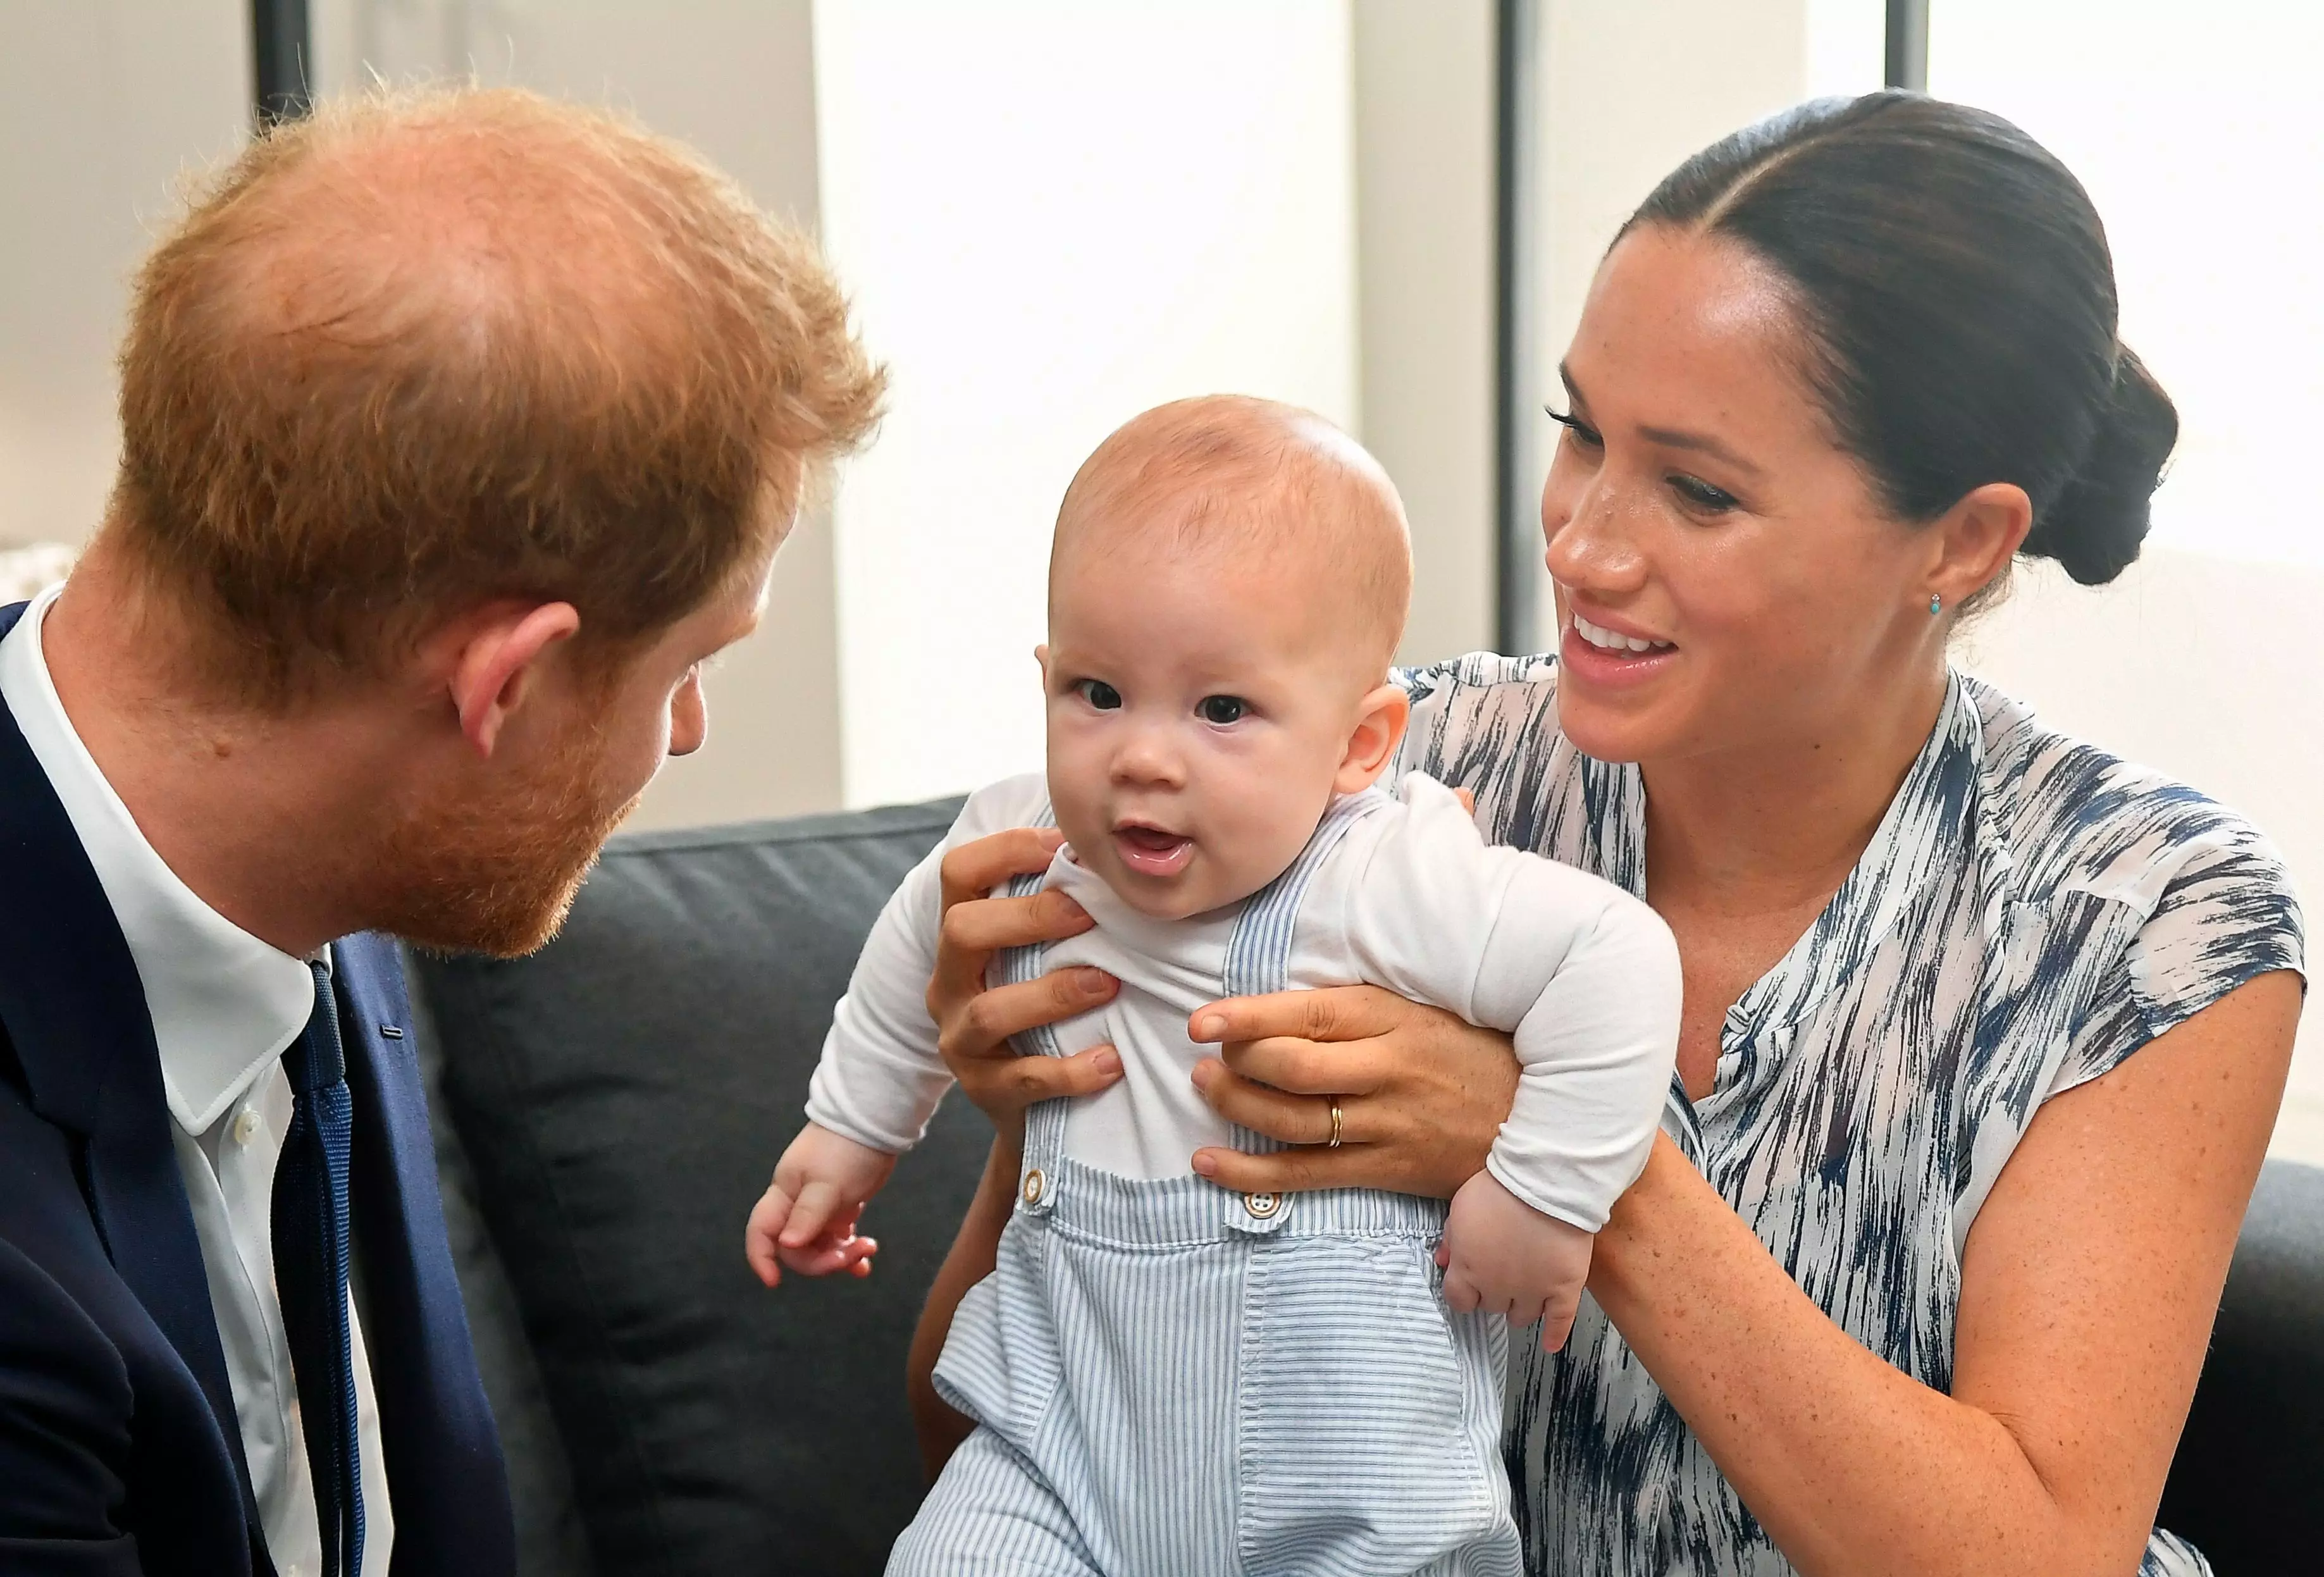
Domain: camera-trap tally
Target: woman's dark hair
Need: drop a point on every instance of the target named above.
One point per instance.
(1959, 300)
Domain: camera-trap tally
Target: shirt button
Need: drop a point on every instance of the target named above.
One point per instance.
(1262, 1206)
(245, 1127)
(1033, 1184)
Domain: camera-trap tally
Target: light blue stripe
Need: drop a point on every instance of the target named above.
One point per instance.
(1258, 952)
(1171, 1378)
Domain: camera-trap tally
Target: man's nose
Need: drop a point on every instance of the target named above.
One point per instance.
(689, 718)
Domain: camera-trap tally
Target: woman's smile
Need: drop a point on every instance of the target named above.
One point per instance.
(1599, 651)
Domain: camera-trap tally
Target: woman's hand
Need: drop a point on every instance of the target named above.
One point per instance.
(1422, 1093)
(974, 1024)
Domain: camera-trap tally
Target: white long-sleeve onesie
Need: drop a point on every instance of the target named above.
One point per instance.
(1585, 976)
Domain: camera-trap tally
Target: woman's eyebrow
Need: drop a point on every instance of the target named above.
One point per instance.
(1669, 437)
(1701, 443)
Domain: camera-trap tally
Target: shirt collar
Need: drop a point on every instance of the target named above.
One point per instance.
(224, 1003)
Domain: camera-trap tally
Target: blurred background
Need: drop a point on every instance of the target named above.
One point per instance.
(1055, 213)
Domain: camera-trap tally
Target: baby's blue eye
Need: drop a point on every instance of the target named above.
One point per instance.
(1099, 694)
(1222, 709)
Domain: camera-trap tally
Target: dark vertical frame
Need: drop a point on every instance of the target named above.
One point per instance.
(279, 55)
(1908, 45)
(1517, 528)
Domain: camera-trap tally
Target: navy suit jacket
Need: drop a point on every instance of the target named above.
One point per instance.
(119, 1451)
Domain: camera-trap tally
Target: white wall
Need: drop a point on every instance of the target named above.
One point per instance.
(1425, 121)
(103, 104)
(1054, 215)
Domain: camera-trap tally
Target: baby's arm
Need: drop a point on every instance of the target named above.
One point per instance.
(805, 1219)
(1587, 978)
(881, 1074)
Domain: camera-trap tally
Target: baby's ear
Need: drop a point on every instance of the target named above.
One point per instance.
(1381, 720)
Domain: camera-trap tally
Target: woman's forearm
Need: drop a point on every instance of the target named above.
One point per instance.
(973, 1250)
(1851, 1465)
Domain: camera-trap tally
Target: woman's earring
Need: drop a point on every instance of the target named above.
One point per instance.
(1936, 604)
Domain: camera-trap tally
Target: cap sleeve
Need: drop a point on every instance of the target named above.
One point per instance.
(2228, 915)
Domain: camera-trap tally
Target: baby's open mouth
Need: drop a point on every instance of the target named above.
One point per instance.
(1149, 851)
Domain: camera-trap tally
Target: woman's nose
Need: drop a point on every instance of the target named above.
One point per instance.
(1592, 540)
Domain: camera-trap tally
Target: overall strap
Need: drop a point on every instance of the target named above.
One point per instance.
(1258, 951)
(1045, 1124)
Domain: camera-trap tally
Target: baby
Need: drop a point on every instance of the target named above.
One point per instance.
(1168, 1377)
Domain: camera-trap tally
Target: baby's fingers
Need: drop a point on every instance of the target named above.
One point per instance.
(831, 1255)
(1557, 1309)
(760, 1238)
(810, 1214)
(1459, 1292)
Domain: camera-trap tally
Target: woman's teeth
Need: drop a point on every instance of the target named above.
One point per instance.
(1606, 639)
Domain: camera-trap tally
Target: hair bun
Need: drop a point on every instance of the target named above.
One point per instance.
(2097, 525)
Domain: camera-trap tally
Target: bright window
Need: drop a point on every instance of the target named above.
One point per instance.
(2199, 134)
(1052, 216)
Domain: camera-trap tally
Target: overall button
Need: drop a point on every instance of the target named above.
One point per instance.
(1033, 1184)
(245, 1127)
(1262, 1206)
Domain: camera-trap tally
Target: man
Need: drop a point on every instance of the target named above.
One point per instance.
(458, 431)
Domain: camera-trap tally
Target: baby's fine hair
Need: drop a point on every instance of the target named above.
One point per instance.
(1242, 477)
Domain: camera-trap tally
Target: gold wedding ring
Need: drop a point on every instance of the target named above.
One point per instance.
(1334, 1142)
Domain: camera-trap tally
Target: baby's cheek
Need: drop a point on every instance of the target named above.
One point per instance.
(1076, 789)
(1268, 823)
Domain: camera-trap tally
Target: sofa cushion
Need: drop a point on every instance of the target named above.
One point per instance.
(621, 1097)
(2244, 1483)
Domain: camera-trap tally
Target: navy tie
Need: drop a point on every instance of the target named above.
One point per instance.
(311, 1275)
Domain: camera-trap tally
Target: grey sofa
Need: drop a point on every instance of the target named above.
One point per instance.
(608, 1110)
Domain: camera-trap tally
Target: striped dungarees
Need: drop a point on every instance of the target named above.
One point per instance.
(1173, 1380)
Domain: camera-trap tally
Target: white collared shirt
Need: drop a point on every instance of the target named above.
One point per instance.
(225, 1006)
(1410, 897)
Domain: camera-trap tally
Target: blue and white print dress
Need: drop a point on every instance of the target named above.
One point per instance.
(2030, 912)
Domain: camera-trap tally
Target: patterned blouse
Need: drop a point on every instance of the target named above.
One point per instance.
(2030, 912)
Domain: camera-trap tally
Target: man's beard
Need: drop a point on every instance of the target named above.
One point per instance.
(497, 876)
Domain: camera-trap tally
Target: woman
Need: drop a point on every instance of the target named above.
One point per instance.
(1985, 1031)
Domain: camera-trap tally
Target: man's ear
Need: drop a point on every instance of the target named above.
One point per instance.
(1371, 745)
(498, 662)
(1976, 539)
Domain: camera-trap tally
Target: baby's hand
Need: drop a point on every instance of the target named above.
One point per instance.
(1501, 1255)
(806, 1218)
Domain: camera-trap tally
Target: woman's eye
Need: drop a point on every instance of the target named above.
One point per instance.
(1702, 495)
(1099, 694)
(1583, 433)
(1222, 709)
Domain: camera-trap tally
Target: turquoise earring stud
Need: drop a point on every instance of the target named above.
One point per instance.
(1936, 604)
